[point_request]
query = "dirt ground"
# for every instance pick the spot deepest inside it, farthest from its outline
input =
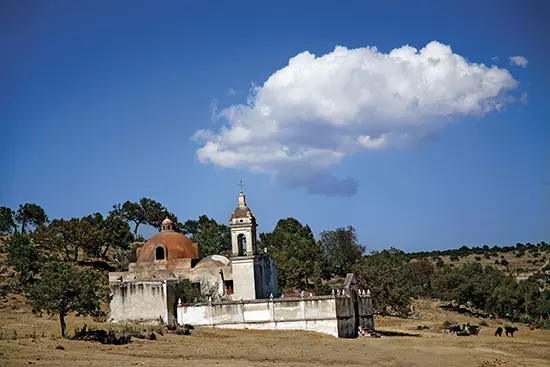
(38, 338)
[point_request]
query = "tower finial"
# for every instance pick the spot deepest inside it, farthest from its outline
(241, 185)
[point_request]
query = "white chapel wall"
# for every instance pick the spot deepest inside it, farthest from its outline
(138, 301)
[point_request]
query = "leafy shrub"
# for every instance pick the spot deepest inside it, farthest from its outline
(504, 262)
(525, 318)
(454, 258)
(478, 258)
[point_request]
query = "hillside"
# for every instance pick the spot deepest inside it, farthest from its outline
(521, 260)
(520, 266)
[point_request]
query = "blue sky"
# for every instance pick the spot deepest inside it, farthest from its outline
(100, 102)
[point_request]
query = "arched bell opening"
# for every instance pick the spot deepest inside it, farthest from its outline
(241, 243)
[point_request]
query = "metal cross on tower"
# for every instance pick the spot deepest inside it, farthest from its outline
(241, 185)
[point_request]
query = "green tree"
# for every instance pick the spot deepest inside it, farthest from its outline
(112, 232)
(96, 219)
(116, 234)
(7, 220)
(388, 276)
(63, 288)
(155, 212)
(146, 211)
(184, 291)
(299, 257)
(32, 214)
(342, 249)
(131, 212)
(26, 258)
(70, 236)
(422, 273)
(213, 238)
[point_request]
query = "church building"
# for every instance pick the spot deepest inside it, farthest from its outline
(146, 292)
(242, 289)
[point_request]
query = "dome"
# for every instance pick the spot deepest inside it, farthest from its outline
(213, 261)
(172, 246)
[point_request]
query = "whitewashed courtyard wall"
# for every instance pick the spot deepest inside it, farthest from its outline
(318, 314)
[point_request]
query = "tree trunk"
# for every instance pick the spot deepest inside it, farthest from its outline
(75, 253)
(136, 229)
(63, 325)
(105, 251)
(23, 224)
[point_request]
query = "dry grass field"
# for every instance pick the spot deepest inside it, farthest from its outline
(38, 338)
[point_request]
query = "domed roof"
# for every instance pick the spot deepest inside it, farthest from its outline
(176, 245)
(242, 213)
(213, 261)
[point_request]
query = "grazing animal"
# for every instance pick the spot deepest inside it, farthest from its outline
(498, 331)
(510, 330)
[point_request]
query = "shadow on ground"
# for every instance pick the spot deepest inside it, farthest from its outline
(395, 333)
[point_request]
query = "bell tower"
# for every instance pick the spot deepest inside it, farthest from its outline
(248, 268)
(243, 229)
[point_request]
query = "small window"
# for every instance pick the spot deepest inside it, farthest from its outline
(228, 287)
(160, 253)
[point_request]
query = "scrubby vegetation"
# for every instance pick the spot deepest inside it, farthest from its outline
(509, 281)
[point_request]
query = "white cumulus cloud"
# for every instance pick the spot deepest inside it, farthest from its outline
(519, 61)
(309, 115)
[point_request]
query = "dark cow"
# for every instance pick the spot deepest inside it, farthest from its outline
(498, 331)
(510, 330)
